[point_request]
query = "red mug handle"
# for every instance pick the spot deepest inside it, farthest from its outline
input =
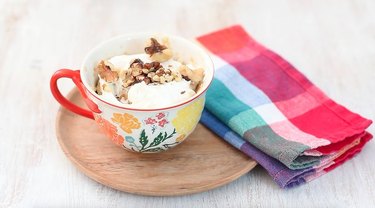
(74, 75)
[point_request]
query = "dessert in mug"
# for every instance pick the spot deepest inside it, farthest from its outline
(145, 94)
(154, 79)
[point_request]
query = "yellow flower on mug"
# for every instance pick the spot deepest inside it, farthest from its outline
(126, 122)
(188, 117)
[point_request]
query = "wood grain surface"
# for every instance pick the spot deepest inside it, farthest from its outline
(331, 42)
(202, 162)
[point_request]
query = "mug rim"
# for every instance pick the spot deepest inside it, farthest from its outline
(133, 35)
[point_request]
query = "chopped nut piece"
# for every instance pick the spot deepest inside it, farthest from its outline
(156, 78)
(162, 80)
(197, 75)
(168, 78)
(198, 86)
(177, 76)
(165, 55)
(153, 66)
(122, 74)
(151, 74)
(137, 63)
(123, 96)
(156, 65)
(136, 72)
(194, 75)
(129, 81)
(145, 71)
(184, 70)
(147, 65)
(157, 51)
(154, 47)
(168, 71)
(185, 78)
(106, 73)
(160, 72)
(109, 64)
(122, 99)
(107, 88)
(147, 80)
(98, 89)
(140, 78)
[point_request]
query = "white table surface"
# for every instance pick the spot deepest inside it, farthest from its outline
(332, 42)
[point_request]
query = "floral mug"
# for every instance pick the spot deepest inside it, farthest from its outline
(139, 130)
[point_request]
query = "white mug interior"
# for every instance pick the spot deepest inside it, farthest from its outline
(185, 50)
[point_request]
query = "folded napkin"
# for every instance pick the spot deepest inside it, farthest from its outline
(262, 105)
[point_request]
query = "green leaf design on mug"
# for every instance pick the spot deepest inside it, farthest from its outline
(161, 138)
(143, 139)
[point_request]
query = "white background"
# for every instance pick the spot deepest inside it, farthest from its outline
(332, 42)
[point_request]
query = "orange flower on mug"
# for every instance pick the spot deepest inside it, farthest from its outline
(126, 122)
(109, 130)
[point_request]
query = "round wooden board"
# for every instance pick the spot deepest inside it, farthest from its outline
(202, 162)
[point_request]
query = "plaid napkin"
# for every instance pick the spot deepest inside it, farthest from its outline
(262, 105)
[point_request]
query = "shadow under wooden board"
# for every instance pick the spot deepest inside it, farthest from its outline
(202, 162)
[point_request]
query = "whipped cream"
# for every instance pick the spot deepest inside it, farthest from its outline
(159, 96)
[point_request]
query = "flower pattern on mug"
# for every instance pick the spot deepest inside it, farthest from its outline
(109, 130)
(127, 122)
(188, 117)
(161, 123)
(150, 121)
(129, 139)
(156, 121)
(160, 115)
